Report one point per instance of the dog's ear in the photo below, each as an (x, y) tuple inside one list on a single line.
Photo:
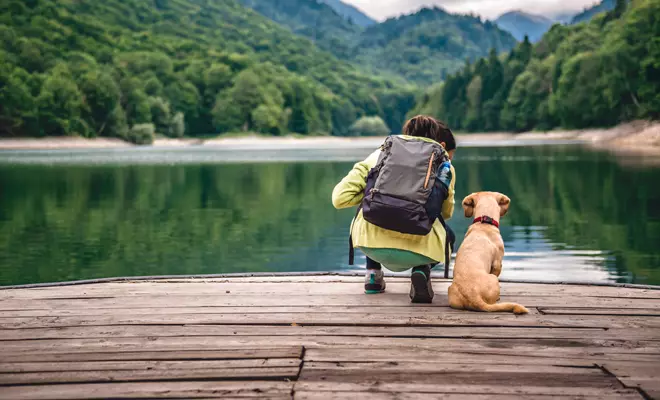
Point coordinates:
[(468, 206), (504, 203)]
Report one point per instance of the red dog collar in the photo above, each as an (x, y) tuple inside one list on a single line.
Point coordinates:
[(486, 220)]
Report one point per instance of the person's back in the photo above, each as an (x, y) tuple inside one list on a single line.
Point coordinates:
[(402, 250)]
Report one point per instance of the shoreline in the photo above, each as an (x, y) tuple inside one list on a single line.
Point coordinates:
[(640, 138)]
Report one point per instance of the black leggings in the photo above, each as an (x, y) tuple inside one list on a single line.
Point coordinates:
[(371, 264), (451, 237)]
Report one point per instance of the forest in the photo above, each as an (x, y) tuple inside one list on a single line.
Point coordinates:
[(133, 68), (596, 73)]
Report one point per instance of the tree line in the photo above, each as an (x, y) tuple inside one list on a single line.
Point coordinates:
[(134, 68), (597, 73)]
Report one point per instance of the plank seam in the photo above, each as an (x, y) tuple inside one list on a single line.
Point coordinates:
[(317, 325), (300, 369), (641, 391)]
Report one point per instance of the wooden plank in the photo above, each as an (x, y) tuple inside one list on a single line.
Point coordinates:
[(256, 373), (371, 395), (495, 356), (508, 387), (149, 328), (172, 390), (309, 285), (396, 310), (354, 299), (637, 375), (632, 312), (522, 376), (552, 347), (487, 366), (125, 365), (165, 355), (385, 316)]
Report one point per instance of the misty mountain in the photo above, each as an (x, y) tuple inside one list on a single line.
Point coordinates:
[(520, 23), (422, 47), (426, 46), (313, 19), (351, 13)]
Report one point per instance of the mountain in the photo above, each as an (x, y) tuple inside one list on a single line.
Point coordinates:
[(128, 68), (313, 19), (562, 17), (593, 74), (351, 13), (520, 23), (422, 47), (589, 13), (426, 46)]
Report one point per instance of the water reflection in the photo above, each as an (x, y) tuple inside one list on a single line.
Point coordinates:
[(575, 216)]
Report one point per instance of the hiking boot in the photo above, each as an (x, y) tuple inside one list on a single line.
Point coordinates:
[(374, 281), (421, 290)]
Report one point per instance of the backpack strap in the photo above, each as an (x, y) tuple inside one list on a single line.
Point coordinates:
[(450, 240), (351, 249)]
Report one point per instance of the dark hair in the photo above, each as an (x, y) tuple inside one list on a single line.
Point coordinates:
[(429, 127)]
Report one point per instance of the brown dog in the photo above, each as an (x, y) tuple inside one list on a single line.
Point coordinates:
[(479, 260)]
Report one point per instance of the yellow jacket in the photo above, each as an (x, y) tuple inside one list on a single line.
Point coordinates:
[(349, 193)]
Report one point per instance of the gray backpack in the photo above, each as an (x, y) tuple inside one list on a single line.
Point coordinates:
[(405, 190)]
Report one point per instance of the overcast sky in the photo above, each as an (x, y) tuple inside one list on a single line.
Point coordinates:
[(490, 9)]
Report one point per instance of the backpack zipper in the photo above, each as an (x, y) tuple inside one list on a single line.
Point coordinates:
[(428, 172)]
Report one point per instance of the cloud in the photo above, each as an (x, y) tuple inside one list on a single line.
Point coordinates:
[(490, 9)]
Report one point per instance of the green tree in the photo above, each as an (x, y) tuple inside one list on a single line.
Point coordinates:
[(369, 126), (216, 78), (177, 126), (18, 107), (160, 114), (268, 118), (101, 98), (59, 103)]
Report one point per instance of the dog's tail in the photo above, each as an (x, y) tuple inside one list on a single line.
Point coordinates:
[(502, 307)]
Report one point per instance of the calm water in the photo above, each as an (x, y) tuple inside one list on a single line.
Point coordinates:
[(575, 215)]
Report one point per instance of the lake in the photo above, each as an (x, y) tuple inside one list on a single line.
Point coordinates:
[(576, 215)]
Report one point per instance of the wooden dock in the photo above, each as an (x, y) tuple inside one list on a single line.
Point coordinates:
[(319, 337)]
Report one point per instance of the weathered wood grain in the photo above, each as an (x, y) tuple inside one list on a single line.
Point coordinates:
[(633, 312), (312, 337), (139, 328), (203, 353), (322, 315), (314, 285), (586, 357), (150, 390), (371, 395), (297, 300), (94, 376), (506, 387), (151, 365)]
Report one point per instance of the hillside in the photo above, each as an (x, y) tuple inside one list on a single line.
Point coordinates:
[(426, 46), (421, 47), (589, 13), (350, 13), (313, 19), (125, 68), (521, 24), (599, 73)]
